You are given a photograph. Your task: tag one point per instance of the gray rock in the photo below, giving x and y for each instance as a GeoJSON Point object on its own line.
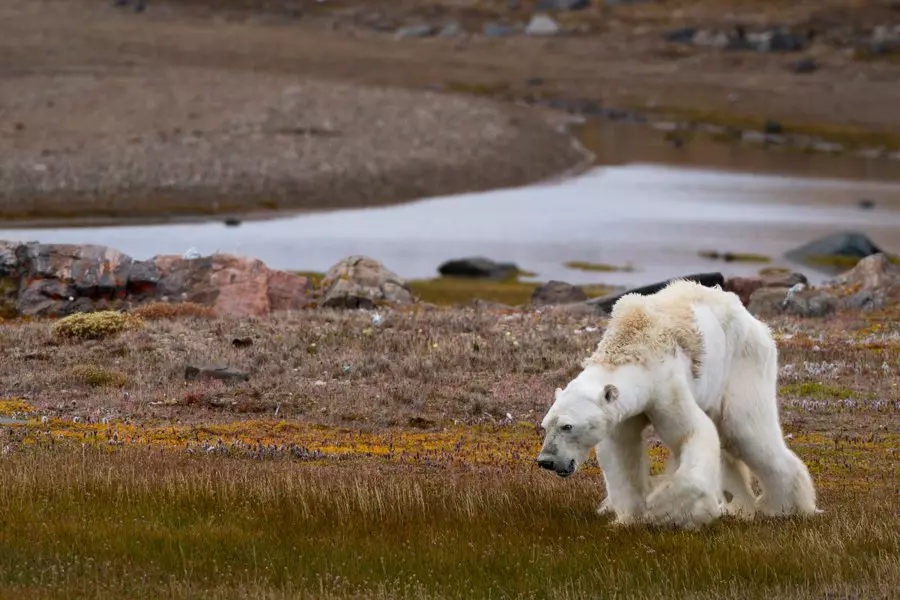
{"type": "Point", "coordinates": [745, 286]}
{"type": "Point", "coordinates": [712, 39]}
{"type": "Point", "coordinates": [548, 5]}
{"type": "Point", "coordinates": [873, 273]}
{"type": "Point", "coordinates": [685, 35]}
{"type": "Point", "coordinates": [415, 31]}
{"type": "Point", "coordinates": [826, 147]}
{"type": "Point", "coordinates": [863, 300]}
{"type": "Point", "coordinates": [494, 30]}
{"type": "Point", "coordinates": [885, 40]}
{"type": "Point", "coordinates": [477, 267]}
{"type": "Point", "coordinates": [768, 302]}
{"type": "Point", "coordinates": [804, 65]}
{"type": "Point", "coordinates": [781, 41]}
{"type": "Point", "coordinates": [452, 29]}
{"type": "Point", "coordinates": [219, 372]}
{"type": "Point", "coordinates": [363, 282]}
{"type": "Point", "coordinates": [542, 25]}
{"type": "Point", "coordinates": [557, 292]}
{"type": "Point", "coordinates": [844, 244]}
{"type": "Point", "coordinates": [772, 126]}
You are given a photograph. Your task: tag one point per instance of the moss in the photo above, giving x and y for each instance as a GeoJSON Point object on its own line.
{"type": "Point", "coordinates": [450, 291]}
{"type": "Point", "coordinates": [96, 377]}
{"type": "Point", "coordinates": [314, 277]}
{"type": "Point", "coordinates": [96, 325]}
{"type": "Point", "coordinates": [734, 256]}
{"type": "Point", "coordinates": [596, 267]}
{"type": "Point", "coordinates": [477, 89]}
{"type": "Point", "coordinates": [817, 391]}
{"type": "Point", "coordinates": [849, 136]}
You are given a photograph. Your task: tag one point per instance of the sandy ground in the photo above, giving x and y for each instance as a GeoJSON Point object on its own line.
{"type": "Point", "coordinates": [199, 108]}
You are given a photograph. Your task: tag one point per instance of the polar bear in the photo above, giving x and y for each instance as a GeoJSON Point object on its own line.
{"type": "Point", "coordinates": [694, 363]}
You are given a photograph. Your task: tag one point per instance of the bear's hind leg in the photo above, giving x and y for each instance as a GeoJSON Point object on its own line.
{"type": "Point", "coordinates": [752, 431]}
{"type": "Point", "coordinates": [736, 482]}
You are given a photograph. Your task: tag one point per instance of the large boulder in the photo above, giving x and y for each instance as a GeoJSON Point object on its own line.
{"type": "Point", "coordinates": [363, 282]}
{"type": "Point", "coordinates": [833, 250]}
{"type": "Point", "coordinates": [557, 292]}
{"type": "Point", "coordinates": [477, 267]}
{"type": "Point", "coordinates": [61, 279]}
{"type": "Point", "coordinates": [770, 302]}
{"type": "Point", "coordinates": [873, 273]}
{"type": "Point", "coordinates": [745, 286]}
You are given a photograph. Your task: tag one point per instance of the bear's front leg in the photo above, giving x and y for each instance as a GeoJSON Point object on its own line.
{"type": "Point", "coordinates": [626, 471]}
{"type": "Point", "coordinates": [692, 496]}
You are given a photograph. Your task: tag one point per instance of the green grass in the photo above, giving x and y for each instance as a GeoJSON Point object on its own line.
{"type": "Point", "coordinates": [453, 291]}
{"type": "Point", "coordinates": [579, 265]}
{"type": "Point", "coordinates": [816, 391]}
{"type": "Point", "coordinates": [734, 256]}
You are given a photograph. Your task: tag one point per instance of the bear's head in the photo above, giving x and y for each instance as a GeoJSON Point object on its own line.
{"type": "Point", "coordinates": [579, 418]}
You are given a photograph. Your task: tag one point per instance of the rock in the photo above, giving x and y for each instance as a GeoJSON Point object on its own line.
{"type": "Point", "coordinates": [873, 273]}
{"type": "Point", "coordinates": [773, 127]}
{"type": "Point", "coordinates": [363, 282]}
{"type": "Point", "coordinates": [844, 244]}
{"type": "Point", "coordinates": [745, 286]}
{"type": "Point", "coordinates": [232, 285]}
{"type": "Point", "coordinates": [244, 342]}
{"type": "Point", "coordinates": [477, 267]}
{"type": "Point", "coordinates": [606, 303]}
{"type": "Point", "coordinates": [452, 29]}
{"type": "Point", "coordinates": [548, 5]}
{"type": "Point", "coordinates": [885, 40]}
{"type": "Point", "coordinates": [222, 373]}
{"type": "Point", "coordinates": [781, 41]}
{"type": "Point", "coordinates": [826, 147]}
{"type": "Point", "coordinates": [557, 292]}
{"type": "Point", "coordinates": [494, 30]}
{"type": "Point", "coordinates": [542, 25]}
{"type": "Point", "coordinates": [685, 35]}
{"type": "Point", "coordinates": [804, 65]}
{"type": "Point", "coordinates": [863, 300]}
{"type": "Point", "coordinates": [866, 204]}
{"type": "Point", "coordinates": [61, 279]}
{"type": "Point", "coordinates": [415, 31]}
{"type": "Point", "coordinates": [769, 302]}
{"type": "Point", "coordinates": [713, 39]}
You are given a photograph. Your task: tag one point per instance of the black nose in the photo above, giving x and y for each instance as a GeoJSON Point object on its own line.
{"type": "Point", "coordinates": [546, 464]}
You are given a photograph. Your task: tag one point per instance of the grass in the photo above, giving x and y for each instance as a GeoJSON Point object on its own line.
{"type": "Point", "coordinates": [851, 137]}
{"type": "Point", "coordinates": [408, 474]}
{"type": "Point", "coordinates": [734, 256]}
{"type": "Point", "coordinates": [595, 267]}
{"type": "Point", "coordinates": [452, 291]}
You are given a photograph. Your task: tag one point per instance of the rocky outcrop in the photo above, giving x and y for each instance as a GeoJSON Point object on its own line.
{"type": "Point", "coordinates": [745, 286]}
{"type": "Point", "coordinates": [770, 302]}
{"type": "Point", "coordinates": [363, 282]}
{"type": "Point", "coordinates": [557, 292]}
{"type": "Point", "coordinates": [60, 279]}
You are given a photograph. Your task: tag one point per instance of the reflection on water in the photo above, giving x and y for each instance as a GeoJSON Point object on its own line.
{"type": "Point", "coordinates": [654, 218]}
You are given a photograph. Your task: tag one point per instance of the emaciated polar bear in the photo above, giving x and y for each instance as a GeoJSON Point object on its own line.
{"type": "Point", "coordinates": [694, 363]}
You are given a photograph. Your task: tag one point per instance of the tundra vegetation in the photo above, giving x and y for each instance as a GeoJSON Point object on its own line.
{"type": "Point", "coordinates": [397, 460]}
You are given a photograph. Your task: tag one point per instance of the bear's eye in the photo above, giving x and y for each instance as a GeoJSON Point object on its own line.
{"type": "Point", "coordinates": [566, 427]}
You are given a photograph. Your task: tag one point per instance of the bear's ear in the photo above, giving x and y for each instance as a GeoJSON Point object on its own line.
{"type": "Point", "coordinates": [610, 393]}
{"type": "Point", "coordinates": [557, 393]}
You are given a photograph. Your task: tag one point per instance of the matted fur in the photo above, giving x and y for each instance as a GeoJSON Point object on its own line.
{"type": "Point", "coordinates": [647, 328]}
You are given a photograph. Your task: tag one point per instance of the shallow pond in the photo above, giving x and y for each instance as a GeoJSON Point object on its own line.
{"type": "Point", "coordinates": [655, 218]}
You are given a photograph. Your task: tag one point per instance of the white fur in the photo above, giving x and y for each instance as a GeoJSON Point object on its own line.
{"type": "Point", "coordinates": [713, 404]}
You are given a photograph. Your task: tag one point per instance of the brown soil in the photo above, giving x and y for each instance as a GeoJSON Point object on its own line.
{"type": "Point", "coordinates": [200, 108]}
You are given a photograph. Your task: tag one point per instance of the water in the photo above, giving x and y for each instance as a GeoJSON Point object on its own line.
{"type": "Point", "coordinates": [654, 218]}
{"type": "Point", "coordinates": [651, 207]}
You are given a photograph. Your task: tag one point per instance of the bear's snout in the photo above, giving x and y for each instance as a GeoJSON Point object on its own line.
{"type": "Point", "coordinates": [546, 463]}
